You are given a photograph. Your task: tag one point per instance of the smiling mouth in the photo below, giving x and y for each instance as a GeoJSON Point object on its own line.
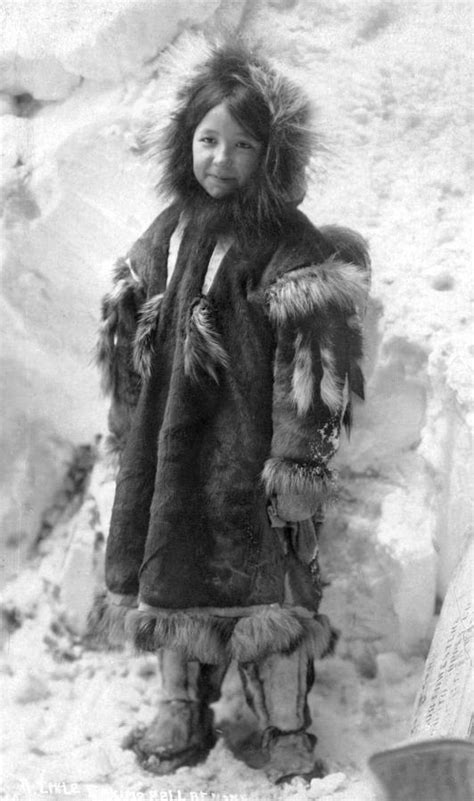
{"type": "Point", "coordinates": [223, 178]}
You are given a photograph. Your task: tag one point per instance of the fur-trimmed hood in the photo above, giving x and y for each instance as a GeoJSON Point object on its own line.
{"type": "Point", "coordinates": [281, 179]}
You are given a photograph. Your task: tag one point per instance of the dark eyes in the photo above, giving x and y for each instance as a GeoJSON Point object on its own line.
{"type": "Point", "coordinates": [209, 140]}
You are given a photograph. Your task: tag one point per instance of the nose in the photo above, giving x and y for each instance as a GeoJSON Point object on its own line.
{"type": "Point", "coordinates": [222, 155]}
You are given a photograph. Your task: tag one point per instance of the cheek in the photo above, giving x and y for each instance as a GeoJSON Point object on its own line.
{"type": "Point", "coordinates": [250, 167]}
{"type": "Point", "coordinates": [197, 163]}
{"type": "Point", "coordinates": [195, 156]}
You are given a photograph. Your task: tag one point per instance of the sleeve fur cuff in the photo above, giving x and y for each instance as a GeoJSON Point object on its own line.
{"type": "Point", "coordinates": [310, 290]}
{"type": "Point", "coordinates": [285, 476]}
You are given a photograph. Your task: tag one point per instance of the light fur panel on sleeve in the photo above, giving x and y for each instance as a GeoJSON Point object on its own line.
{"type": "Point", "coordinates": [316, 311]}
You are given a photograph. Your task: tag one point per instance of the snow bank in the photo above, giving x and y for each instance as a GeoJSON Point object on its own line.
{"type": "Point", "coordinates": [48, 49]}
{"type": "Point", "coordinates": [73, 197]}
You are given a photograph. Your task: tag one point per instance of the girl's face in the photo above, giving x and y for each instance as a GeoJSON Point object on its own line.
{"type": "Point", "coordinates": [225, 156]}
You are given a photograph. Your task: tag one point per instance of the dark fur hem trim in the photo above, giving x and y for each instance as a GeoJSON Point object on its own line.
{"type": "Point", "coordinates": [145, 336]}
{"type": "Point", "coordinates": [272, 631]}
{"type": "Point", "coordinates": [106, 623]}
{"type": "Point", "coordinates": [307, 291]}
{"type": "Point", "coordinates": [210, 638]}
{"type": "Point", "coordinates": [202, 638]}
{"type": "Point", "coordinates": [289, 477]}
{"type": "Point", "coordinates": [320, 638]}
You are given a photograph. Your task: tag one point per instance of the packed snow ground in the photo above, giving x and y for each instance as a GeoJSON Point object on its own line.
{"type": "Point", "coordinates": [391, 82]}
{"type": "Point", "coordinates": [67, 710]}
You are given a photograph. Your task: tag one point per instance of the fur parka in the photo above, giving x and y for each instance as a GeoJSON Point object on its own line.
{"type": "Point", "coordinates": [222, 402]}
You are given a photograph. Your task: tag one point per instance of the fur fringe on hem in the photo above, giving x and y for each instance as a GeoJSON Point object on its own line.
{"type": "Point", "coordinates": [210, 638]}
{"type": "Point", "coordinates": [290, 477]}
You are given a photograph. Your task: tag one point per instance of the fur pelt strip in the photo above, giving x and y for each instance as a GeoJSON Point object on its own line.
{"type": "Point", "coordinates": [204, 354]}
{"type": "Point", "coordinates": [332, 385]}
{"type": "Point", "coordinates": [287, 476]}
{"type": "Point", "coordinates": [311, 290]}
{"type": "Point", "coordinates": [211, 638]}
{"type": "Point", "coordinates": [302, 381]}
{"type": "Point", "coordinates": [144, 339]}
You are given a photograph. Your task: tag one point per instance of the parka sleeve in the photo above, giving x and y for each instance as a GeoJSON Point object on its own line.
{"type": "Point", "coordinates": [316, 311]}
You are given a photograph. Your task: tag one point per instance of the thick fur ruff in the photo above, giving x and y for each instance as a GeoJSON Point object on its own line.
{"type": "Point", "coordinates": [289, 477]}
{"type": "Point", "coordinates": [313, 290]}
{"type": "Point", "coordinates": [208, 638]}
{"type": "Point", "coordinates": [292, 139]}
{"type": "Point", "coordinates": [145, 336]}
{"type": "Point", "coordinates": [204, 354]}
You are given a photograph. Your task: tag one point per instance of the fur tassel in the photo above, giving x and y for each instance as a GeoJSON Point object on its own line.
{"type": "Point", "coordinates": [289, 477]}
{"type": "Point", "coordinates": [146, 331]}
{"type": "Point", "coordinates": [118, 309]}
{"type": "Point", "coordinates": [302, 382]}
{"type": "Point", "coordinates": [204, 354]}
{"type": "Point", "coordinates": [308, 291]}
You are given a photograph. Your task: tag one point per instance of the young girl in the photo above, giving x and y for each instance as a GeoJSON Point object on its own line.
{"type": "Point", "coordinates": [230, 345]}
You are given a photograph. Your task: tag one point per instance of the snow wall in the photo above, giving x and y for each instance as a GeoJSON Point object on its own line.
{"type": "Point", "coordinates": [390, 81]}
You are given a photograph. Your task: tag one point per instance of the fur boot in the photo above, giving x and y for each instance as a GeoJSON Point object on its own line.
{"type": "Point", "coordinates": [181, 732]}
{"type": "Point", "coordinates": [276, 690]}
